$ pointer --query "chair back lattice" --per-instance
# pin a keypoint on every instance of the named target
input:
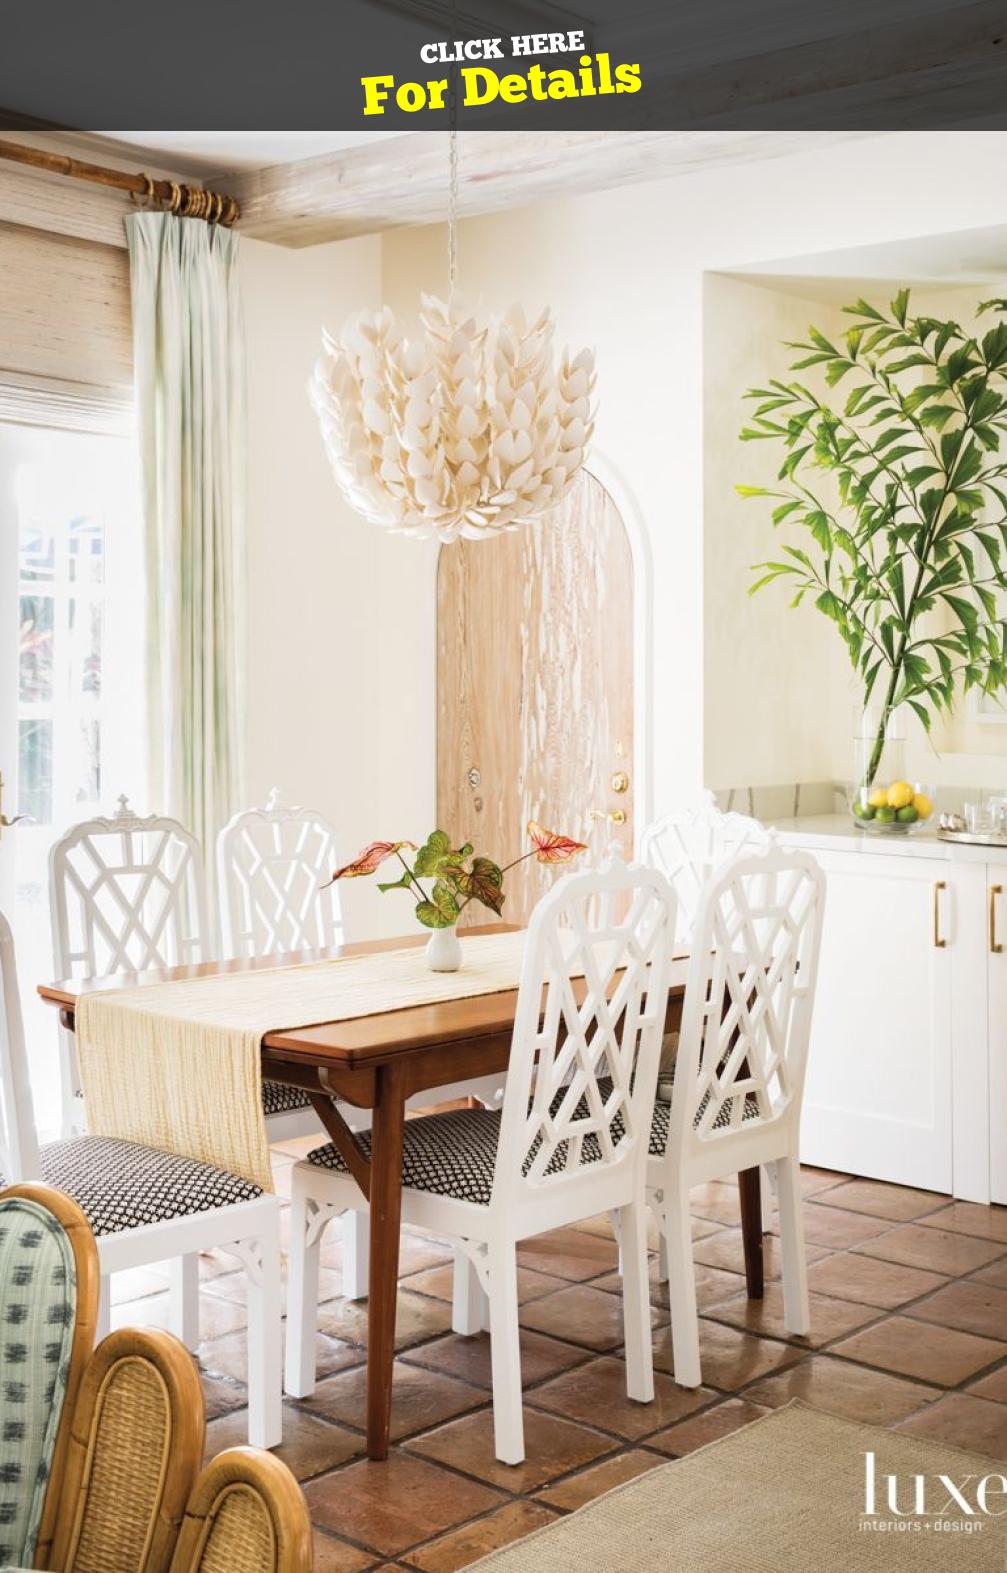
(19, 1154)
(587, 1032)
(126, 894)
(743, 1044)
(272, 863)
(690, 845)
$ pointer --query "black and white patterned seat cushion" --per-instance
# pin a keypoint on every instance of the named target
(276, 1099)
(120, 1185)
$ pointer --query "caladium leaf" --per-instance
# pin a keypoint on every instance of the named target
(484, 882)
(551, 847)
(435, 849)
(441, 911)
(371, 858)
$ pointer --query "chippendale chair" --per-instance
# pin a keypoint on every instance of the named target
(690, 844)
(739, 1072)
(570, 1140)
(145, 1206)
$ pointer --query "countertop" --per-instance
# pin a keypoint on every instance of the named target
(836, 832)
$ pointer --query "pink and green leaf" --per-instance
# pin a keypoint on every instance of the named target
(551, 847)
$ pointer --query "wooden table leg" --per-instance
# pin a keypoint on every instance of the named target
(750, 1197)
(386, 1213)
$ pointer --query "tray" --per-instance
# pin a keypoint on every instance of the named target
(978, 838)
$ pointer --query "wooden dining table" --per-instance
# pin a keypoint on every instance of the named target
(379, 1062)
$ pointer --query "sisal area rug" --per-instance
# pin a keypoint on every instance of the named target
(796, 1492)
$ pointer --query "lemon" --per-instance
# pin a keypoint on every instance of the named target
(900, 794)
(923, 805)
(879, 798)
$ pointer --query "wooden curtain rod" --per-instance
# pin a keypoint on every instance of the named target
(186, 201)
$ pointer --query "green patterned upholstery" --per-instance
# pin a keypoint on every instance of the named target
(38, 1295)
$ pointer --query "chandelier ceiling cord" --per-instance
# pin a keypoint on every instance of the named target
(466, 430)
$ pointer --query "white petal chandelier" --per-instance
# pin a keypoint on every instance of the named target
(467, 430)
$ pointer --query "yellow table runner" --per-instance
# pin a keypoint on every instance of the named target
(177, 1066)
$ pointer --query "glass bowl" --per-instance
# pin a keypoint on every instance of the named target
(893, 808)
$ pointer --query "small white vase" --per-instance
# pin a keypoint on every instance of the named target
(444, 950)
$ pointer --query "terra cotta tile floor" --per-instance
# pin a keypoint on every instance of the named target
(909, 1330)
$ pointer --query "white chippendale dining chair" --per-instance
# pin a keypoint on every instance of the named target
(127, 894)
(569, 1142)
(690, 844)
(145, 1206)
(739, 1071)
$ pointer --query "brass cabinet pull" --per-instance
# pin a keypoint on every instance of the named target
(939, 941)
(996, 946)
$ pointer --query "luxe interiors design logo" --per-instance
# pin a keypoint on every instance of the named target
(929, 1504)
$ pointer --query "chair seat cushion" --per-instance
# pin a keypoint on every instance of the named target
(277, 1098)
(121, 1185)
(450, 1154)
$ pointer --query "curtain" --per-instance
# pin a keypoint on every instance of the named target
(189, 379)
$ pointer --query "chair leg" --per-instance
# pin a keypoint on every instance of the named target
(104, 1322)
(636, 1303)
(505, 1350)
(662, 1258)
(183, 1299)
(356, 1253)
(302, 1298)
(265, 1354)
(676, 1226)
(614, 1220)
(768, 1195)
(796, 1308)
(468, 1311)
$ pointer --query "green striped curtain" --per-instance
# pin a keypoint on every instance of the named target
(190, 399)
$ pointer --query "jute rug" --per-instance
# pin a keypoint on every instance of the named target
(787, 1494)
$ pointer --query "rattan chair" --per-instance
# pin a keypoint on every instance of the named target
(246, 1515)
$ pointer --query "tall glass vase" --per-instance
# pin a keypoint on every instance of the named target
(882, 798)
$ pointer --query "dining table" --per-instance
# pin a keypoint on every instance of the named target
(379, 1062)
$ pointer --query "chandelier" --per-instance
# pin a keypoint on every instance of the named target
(467, 430)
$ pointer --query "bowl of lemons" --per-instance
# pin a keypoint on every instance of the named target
(895, 809)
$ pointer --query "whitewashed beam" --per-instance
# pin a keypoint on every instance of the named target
(33, 199)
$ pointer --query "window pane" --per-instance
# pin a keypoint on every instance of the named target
(89, 787)
(87, 550)
(37, 555)
(36, 651)
(34, 770)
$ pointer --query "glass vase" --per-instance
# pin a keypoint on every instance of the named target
(882, 798)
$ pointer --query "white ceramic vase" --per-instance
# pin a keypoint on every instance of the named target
(444, 950)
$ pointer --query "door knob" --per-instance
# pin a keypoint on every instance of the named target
(617, 815)
(619, 781)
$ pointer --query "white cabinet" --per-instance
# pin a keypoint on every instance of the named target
(878, 1097)
(996, 908)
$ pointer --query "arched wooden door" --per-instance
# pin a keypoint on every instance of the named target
(535, 689)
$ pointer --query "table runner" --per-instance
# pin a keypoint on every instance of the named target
(177, 1066)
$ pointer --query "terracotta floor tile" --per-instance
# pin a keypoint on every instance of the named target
(838, 1228)
(935, 1250)
(338, 1556)
(725, 1250)
(469, 1358)
(417, 1317)
(596, 1480)
(917, 1349)
(310, 1447)
(993, 1386)
(439, 1282)
(395, 1504)
(963, 1421)
(995, 1273)
(460, 1547)
(234, 1286)
(595, 1394)
(228, 1356)
(712, 1286)
(221, 1395)
(716, 1201)
(989, 1223)
(216, 1317)
(582, 1314)
(710, 1426)
(730, 1359)
(815, 1180)
(897, 1203)
(569, 1253)
(843, 1389)
(420, 1399)
(137, 1282)
(830, 1318)
(868, 1281)
(967, 1305)
(601, 1224)
(552, 1447)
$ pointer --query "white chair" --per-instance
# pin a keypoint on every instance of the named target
(570, 1140)
(739, 1073)
(690, 845)
(146, 1206)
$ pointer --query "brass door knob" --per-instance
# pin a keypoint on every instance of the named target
(619, 781)
(617, 816)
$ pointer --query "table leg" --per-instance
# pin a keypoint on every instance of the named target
(750, 1197)
(386, 1213)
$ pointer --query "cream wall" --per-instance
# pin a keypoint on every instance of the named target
(341, 704)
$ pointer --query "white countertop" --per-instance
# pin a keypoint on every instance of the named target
(837, 832)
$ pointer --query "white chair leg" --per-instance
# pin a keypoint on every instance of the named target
(676, 1225)
(796, 1308)
(768, 1185)
(356, 1253)
(505, 1348)
(265, 1353)
(302, 1298)
(613, 1219)
(636, 1303)
(104, 1322)
(183, 1299)
(662, 1258)
(468, 1309)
